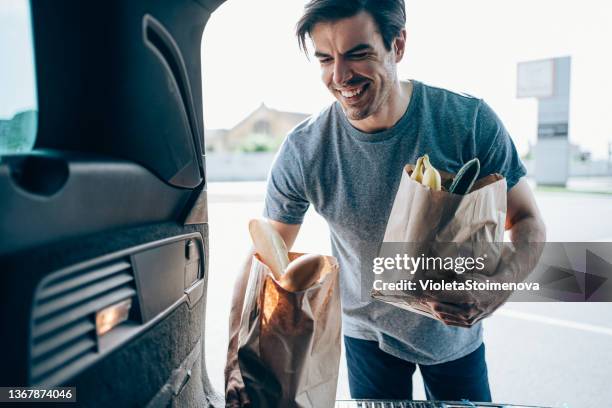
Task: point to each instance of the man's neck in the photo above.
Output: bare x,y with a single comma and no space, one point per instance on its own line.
390,114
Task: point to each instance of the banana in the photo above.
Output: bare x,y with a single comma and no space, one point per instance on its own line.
431,176
417,173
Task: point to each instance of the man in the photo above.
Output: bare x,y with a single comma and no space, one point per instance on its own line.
347,162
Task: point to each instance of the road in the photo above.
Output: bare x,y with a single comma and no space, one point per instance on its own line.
538,353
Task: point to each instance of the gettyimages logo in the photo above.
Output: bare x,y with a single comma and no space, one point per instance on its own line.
411,264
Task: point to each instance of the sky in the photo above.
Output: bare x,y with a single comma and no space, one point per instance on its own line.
17,81
250,55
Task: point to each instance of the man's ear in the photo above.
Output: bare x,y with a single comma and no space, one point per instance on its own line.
399,45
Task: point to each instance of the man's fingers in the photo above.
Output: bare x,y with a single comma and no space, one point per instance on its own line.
479,317
450,296
461,315
244,398
454,319
232,400
453,322
461,312
468,312
236,396
450,320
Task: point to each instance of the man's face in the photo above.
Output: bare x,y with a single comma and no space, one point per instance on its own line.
356,67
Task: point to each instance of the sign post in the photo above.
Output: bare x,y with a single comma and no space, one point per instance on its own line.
549,81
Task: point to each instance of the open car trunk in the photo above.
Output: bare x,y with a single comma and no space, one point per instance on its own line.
104,232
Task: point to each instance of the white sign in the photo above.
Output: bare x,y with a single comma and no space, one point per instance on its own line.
536,79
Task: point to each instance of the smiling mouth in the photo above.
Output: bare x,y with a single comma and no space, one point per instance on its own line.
353,93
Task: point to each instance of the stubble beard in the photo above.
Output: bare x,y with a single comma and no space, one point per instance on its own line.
377,104
373,107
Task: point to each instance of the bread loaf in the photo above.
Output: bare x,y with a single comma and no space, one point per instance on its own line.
302,273
270,246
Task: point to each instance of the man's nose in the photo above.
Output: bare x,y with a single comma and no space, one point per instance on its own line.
342,71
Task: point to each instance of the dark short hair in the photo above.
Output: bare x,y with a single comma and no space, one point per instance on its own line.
389,15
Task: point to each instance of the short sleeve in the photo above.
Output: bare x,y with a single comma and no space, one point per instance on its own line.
496,150
286,200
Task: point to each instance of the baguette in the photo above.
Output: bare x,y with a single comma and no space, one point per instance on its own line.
270,246
302,273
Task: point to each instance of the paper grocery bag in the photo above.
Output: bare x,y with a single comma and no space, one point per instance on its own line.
426,220
289,342
420,214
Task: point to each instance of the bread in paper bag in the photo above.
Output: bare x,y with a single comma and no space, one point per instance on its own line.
289,341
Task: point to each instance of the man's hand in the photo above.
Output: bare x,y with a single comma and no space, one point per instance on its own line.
465,315
528,234
465,309
235,393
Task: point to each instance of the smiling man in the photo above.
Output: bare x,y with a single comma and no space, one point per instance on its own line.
347,161
358,70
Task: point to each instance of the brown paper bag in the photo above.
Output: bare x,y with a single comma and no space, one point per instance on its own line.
422,217
289,342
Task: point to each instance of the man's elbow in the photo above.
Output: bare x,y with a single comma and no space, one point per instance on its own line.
527,228
540,228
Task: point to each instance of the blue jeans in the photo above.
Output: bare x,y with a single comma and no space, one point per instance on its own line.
374,374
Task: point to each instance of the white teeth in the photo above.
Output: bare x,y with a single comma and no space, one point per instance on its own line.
350,94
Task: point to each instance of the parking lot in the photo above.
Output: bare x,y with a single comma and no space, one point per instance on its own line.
538,353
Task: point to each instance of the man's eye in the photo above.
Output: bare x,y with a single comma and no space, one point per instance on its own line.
360,55
325,60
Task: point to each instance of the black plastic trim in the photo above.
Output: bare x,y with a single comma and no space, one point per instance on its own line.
123,333
159,40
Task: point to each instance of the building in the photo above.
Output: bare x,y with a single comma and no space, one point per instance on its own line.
17,134
262,130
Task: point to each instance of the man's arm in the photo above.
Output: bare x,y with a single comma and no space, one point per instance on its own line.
234,386
523,217
528,234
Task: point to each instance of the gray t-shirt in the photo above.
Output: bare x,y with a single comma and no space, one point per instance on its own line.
351,177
